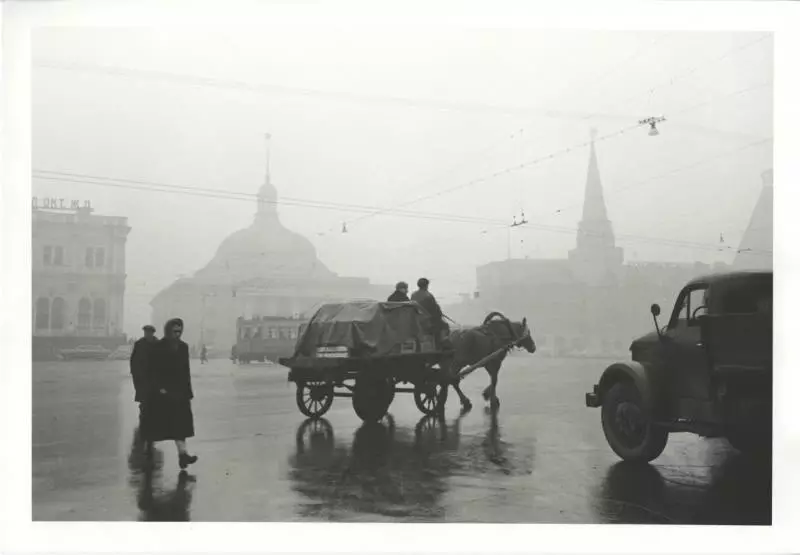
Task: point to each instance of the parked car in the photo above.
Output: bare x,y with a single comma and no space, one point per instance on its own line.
85,352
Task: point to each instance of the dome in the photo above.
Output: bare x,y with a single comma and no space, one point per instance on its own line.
265,248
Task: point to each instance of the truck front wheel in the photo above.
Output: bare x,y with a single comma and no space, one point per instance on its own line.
627,426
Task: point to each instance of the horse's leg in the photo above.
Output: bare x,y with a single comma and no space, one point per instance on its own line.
466,404
487,391
494,369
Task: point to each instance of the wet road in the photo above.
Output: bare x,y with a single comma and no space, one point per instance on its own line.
543,459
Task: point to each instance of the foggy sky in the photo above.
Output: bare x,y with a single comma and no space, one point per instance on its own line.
421,109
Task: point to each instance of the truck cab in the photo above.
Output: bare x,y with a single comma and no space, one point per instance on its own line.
707,371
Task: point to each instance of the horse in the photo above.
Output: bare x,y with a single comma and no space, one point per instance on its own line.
472,344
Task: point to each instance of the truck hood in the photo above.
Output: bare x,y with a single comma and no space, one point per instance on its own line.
646,348
647,340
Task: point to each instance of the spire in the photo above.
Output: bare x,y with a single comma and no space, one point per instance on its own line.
596,258
755,249
594,205
267,194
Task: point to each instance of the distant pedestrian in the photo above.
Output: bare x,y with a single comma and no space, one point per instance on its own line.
168,409
400,294
203,354
141,357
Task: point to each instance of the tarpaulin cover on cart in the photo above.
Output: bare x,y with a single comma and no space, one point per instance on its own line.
376,327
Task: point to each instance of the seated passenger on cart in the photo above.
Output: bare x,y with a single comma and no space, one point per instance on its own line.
400,294
439,328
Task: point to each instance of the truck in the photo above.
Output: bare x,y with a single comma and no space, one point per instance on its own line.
707,372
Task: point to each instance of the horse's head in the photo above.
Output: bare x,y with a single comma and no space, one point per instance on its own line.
511,331
521,329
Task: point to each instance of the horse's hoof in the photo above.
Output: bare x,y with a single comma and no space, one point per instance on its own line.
485,394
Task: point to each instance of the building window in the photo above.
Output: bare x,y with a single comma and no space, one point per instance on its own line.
48,255
100,257
58,313
84,313
58,259
99,319
42,313
89,257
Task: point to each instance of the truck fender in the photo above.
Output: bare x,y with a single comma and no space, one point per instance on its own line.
633,371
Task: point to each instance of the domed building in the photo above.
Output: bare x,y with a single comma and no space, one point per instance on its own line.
262,270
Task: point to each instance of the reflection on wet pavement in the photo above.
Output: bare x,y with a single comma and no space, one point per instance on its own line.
542,458
156,501
735,490
393,471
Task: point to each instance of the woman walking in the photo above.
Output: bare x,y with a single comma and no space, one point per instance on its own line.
167,413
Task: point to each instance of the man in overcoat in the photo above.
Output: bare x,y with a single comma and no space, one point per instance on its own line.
141,355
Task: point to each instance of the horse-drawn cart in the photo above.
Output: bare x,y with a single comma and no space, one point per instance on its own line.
368,351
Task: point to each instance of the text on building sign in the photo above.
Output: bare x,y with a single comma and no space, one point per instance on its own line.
53,203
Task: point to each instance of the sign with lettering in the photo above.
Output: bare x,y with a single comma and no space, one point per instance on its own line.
54,203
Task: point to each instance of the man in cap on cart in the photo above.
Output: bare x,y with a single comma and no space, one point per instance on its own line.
423,297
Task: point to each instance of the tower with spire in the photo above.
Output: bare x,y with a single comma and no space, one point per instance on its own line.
596,259
267,197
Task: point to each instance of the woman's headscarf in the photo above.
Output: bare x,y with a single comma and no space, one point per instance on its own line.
171,323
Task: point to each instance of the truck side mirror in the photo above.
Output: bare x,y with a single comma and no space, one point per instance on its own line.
655,310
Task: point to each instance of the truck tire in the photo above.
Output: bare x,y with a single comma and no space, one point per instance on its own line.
627,426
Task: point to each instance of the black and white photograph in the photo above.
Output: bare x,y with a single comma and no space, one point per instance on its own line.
398,272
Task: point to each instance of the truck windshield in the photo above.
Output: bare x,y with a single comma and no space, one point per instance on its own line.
693,303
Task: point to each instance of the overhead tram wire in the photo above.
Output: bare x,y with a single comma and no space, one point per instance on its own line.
152,186
216,193
165,188
395,211
666,83
699,163
233,84
518,132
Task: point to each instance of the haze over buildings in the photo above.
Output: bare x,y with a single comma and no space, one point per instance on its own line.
165,127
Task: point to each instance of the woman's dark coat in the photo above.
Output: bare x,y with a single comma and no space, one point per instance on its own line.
168,415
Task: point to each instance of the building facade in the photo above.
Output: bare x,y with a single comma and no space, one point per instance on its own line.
78,271
262,270
592,303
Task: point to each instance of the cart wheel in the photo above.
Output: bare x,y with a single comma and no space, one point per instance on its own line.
372,397
430,397
314,398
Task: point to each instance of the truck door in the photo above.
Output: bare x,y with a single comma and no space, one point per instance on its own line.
687,355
